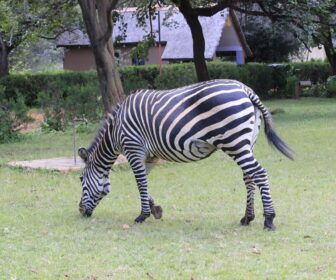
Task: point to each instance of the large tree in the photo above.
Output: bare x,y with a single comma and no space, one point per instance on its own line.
97,16
270,42
26,20
311,21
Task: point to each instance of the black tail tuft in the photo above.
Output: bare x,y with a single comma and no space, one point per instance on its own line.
272,137
276,141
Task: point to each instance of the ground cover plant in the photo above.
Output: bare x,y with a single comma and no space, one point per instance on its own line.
43,236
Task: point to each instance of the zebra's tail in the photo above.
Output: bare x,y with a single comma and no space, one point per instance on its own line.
272,137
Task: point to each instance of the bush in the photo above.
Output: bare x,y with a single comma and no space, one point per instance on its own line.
176,75
268,81
317,72
260,79
12,113
138,77
62,103
318,90
30,85
291,86
331,86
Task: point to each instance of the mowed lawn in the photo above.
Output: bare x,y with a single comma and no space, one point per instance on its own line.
43,236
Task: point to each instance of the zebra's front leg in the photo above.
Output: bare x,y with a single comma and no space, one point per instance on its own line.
144,197
137,163
156,210
249,212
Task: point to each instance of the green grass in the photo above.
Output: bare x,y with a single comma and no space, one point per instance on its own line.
42,235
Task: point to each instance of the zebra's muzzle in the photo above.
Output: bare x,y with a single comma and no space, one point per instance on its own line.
85,212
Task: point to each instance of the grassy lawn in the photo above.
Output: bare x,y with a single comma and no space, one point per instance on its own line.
42,235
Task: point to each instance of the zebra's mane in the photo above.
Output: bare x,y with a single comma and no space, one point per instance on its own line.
109,119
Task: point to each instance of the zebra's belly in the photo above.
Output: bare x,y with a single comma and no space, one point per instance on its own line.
185,147
197,150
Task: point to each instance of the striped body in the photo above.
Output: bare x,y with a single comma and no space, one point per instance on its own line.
189,123
182,125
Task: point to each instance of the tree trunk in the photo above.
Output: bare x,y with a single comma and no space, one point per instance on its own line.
326,39
3,58
198,40
98,22
330,52
331,56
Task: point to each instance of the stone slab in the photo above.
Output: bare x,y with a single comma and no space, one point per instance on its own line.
58,164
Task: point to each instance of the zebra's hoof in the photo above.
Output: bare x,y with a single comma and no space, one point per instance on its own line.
270,227
156,211
268,224
245,221
141,218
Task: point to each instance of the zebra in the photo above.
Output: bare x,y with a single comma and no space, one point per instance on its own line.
181,125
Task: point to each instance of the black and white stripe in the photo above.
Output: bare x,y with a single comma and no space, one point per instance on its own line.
182,125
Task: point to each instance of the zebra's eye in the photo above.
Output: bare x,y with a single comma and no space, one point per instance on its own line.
81,178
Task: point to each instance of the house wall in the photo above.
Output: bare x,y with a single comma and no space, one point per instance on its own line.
78,59
316,53
82,59
229,42
154,55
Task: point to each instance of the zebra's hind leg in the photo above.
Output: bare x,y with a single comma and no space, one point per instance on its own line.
258,175
249,212
260,178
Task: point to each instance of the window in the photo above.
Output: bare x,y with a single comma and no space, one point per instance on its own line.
138,61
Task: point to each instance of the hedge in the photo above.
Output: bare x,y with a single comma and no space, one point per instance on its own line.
268,81
317,72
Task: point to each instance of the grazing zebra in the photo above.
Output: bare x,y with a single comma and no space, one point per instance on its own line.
182,125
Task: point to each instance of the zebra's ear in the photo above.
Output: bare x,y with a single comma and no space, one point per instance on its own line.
83,154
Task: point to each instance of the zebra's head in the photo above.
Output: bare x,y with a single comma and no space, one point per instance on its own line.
95,183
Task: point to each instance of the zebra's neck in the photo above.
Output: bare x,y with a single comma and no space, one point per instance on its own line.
104,149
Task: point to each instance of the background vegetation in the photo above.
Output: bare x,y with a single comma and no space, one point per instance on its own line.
43,236
268,80
62,96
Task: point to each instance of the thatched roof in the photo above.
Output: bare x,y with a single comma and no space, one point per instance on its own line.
175,33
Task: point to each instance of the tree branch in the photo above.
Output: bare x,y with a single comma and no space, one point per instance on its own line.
108,33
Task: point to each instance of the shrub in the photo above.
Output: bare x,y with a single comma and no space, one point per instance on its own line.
331,86
133,83
317,72
268,81
176,75
260,79
61,103
318,90
138,77
30,85
12,113
291,86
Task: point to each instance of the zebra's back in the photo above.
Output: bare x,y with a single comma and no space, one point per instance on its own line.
189,123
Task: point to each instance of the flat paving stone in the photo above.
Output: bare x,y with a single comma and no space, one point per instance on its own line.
58,164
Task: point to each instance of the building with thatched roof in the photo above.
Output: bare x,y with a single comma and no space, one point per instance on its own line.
173,40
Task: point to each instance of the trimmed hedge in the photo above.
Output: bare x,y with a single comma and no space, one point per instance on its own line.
30,85
317,72
268,81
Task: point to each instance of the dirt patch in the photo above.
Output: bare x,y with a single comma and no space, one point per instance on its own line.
35,123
